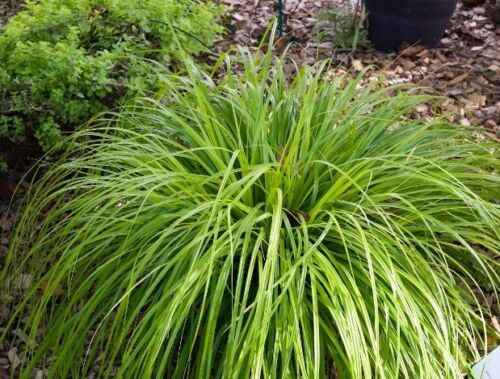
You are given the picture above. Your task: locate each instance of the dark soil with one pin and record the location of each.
(15, 154)
(9, 8)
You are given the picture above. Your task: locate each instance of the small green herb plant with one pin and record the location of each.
(62, 61)
(342, 26)
(257, 228)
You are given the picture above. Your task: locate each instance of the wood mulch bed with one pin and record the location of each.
(465, 68)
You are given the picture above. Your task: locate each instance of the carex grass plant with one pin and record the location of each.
(260, 227)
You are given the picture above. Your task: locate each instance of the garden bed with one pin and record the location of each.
(465, 69)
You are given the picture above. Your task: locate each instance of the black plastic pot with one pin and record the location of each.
(393, 22)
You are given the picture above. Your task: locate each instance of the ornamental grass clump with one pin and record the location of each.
(261, 228)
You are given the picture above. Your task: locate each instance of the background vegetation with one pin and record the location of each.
(62, 61)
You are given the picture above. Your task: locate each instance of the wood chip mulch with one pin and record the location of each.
(465, 68)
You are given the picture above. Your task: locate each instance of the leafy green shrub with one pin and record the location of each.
(61, 61)
(259, 228)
